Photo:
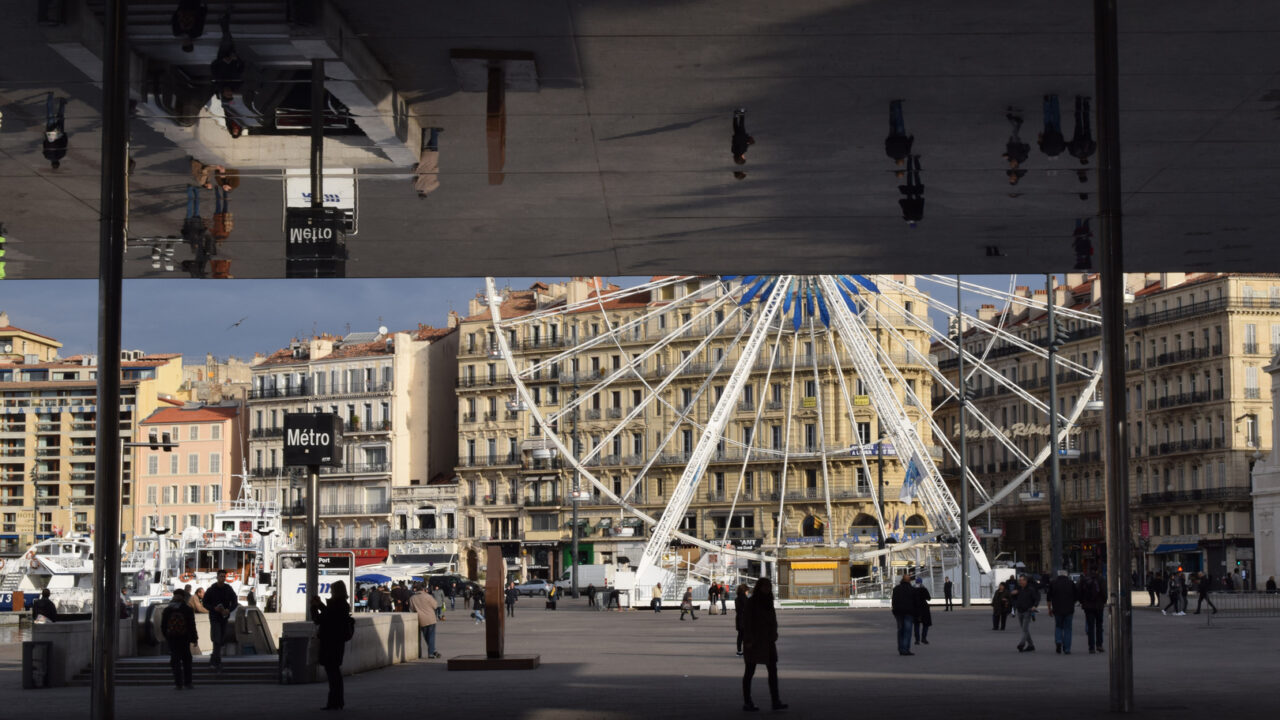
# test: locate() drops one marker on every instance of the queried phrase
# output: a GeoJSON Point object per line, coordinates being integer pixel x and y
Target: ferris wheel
{"type": "Point", "coordinates": [787, 377]}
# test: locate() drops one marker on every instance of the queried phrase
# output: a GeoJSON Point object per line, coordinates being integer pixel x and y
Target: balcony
{"type": "Point", "coordinates": [425, 534]}
{"type": "Point", "coordinates": [613, 413]}
{"type": "Point", "coordinates": [490, 416]}
{"type": "Point", "coordinates": [1251, 348]}
{"type": "Point", "coordinates": [269, 472]}
{"type": "Point", "coordinates": [84, 450]}
{"type": "Point", "coordinates": [373, 426]}
{"type": "Point", "coordinates": [15, 428]}
{"type": "Point", "coordinates": [806, 494]}
{"type": "Point", "coordinates": [357, 468]}
{"type": "Point", "coordinates": [489, 460]}
{"type": "Point", "coordinates": [1252, 394]}
{"type": "Point", "coordinates": [542, 502]}
{"type": "Point", "coordinates": [351, 543]}
{"type": "Point", "coordinates": [355, 388]}
{"type": "Point", "coordinates": [13, 452]}
{"type": "Point", "coordinates": [272, 393]}
{"type": "Point", "coordinates": [46, 427]}
{"type": "Point", "coordinates": [1181, 399]}
{"type": "Point", "coordinates": [467, 418]}
{"type": "Point", "coordinates": [12, 502]}
{"type": "Point", "coordinates": [1181, 446]}
{"type": "Point", "coordinates": [368, 509]}
{"type": "Point", "coordinates": [593, 414]}
{"type": "Point", "coordinates": [49, 451]}
{"type": "Point", "coordinates": [1242, 494]}
{"type": "Point", "coordinates": [494, 380]}
{"type": "Point", "coordinates": [543, 464]}
{"type": "Point", "coordinates": [272, 432]}
{"type": "Point", "coordinates": [82, 476]}
{"type": "Point", "coordinates": [81, 501]}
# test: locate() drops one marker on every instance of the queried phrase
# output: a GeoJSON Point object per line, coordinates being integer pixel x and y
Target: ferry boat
{"type": "Point", "coordinates": [64, 566]}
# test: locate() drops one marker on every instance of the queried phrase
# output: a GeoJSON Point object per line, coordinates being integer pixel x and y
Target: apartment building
{"type": "Point", "coordinates": [1199, 418]}
{"type": "Point", "coordinates": [184, 487]}
{"type": "Point", "coordinates": [394, 394]}
{"type": "Point", "coordinates": [515, 488]}
{"type": "Point", "coordinates": [48, 425]}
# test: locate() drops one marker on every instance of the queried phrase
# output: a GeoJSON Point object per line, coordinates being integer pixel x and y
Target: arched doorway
{"type": "Point", "coordinates": [813, 526]}
{"type": "Point", "coordinates": [864, 528]}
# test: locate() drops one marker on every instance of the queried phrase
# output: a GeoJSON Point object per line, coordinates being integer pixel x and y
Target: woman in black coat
{"type": "Point", "coordinates": [333, 622]}
{"type": "Point", "coordinates": [924, 617]}
{"type": "Point", "coordinates": [739, 613]}
{"type": "Point", "coordinates": [760, 642]}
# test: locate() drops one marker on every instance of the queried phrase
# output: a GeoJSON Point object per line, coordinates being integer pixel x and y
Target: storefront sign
{"type": "Point", "coordinates": [804, 540]}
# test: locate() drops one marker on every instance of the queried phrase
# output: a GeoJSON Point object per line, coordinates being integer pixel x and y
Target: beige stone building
{"type": "Point", "coordinates": [394, 393]}
{"type": "Point", "coordinates": [184, 487]}
{"type": "Point", "coordinates": [514, 487]}
{"type": "Point", "coordinates": [1198, 419]}
{"type": "Point", "coordinates": [216, 381]}
{"type": "Point", "coordinates": [48, 431]}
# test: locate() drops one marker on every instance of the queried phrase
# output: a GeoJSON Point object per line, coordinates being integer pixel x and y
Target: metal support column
{"type": "Point", "coordinates": [317, 138]}
{"type": "Point", "coordinates": [107, 485]}
{"type": "Point", "coordinates": [577, 489]}
{"type": "Point", "coordinates": [1106, 70]}
{"type": "Point", "coordinates": [964, 456]}
{"type": "Point", "coordinates": [884, 530]}
{"type": "Point", "coordinates": [313, 538]}
{"type": "Point", "coordinates": [1055, 476]}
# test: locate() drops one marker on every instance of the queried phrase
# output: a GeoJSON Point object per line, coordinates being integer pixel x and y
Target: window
{"type": "Point", "coordinates": [213, 493]}
{"type": "Point", "coordinates": [193, 494]}
{"type": "Point", "coordinates": [168, 494]}
{"type": "Point", "coordinates": [810, 388]}
{"type": "Point", "coordinates": [151, 495]}
{"type": "Point", "coordinates": [194, 433]}
{"type": "Point", "coordinates": [776, 433]}
{"type": "Point", "coordinates": [193, 464]}
{"type": "Point", "coordinates": [864, 433]}
{"type": "Point", "coordinates": [153, 464]}
{"type": "Point", "coordinates": [215, 463]}
{"type": "Point", "coordinates": [173, 464]}
{"type": "Point", "coordinates": [215, 432]}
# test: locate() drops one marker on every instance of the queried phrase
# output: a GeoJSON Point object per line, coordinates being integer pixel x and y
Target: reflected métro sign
{"type": "Point", "coordinates": [312, 439]}
{"type": "Point", "coordinates": [315, 243]}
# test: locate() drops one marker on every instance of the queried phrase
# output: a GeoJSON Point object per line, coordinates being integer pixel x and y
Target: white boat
{"type": "Point", "coordinates": [64, 566]}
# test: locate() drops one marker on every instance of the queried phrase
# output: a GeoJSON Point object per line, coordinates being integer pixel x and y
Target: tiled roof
{"type": "Point", "coordinates": [426, 332]}
{"type": "Point", "coordinates": [172, 415]}
{"type": "Point", "coordinates": [12, 329]}
{"type": "Point", "coordinates": [518, 302]}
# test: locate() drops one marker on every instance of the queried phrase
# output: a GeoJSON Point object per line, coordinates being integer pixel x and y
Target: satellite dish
{"type": "Point", "coordinates": [8, 347]}
{"type": "Point", "coordinates": [382, 329]}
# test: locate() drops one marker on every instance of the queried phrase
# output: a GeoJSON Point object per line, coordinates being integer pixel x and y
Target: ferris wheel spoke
{"type": "Point", "coordinates": [861, 442]}
{"type": "Point", "coordinates": [786, 434]}
{"type": "Point", "coordinates": [563, 310]}
{"type": "Point", "coordinates": [822, 435]}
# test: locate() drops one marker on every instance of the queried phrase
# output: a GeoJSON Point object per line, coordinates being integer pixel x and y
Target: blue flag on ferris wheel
{"type": "Point", "coordinates": [910, 481]}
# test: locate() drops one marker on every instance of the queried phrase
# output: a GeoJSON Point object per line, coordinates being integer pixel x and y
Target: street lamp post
{"type": "Point", "coordinates": [884, 558]}
{"type": "Point", "coordinates": [577, 490]}
{"type": "Point", "coordinates": [35, 505]}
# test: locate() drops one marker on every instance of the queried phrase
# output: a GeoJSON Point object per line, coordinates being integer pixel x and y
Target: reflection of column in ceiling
{"type": "Point", "coordinates": [494, 72]}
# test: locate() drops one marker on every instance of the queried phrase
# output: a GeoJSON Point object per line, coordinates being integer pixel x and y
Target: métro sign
{"type": "Point", "coordinates": [312, 439]}
{"type": "Point", "coordinates": [315, 242]}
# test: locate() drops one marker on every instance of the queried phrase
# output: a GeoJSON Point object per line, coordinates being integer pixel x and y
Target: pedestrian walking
{"type": "Point", "coordinates": [760, 643]}
{"type": "Point", "coordinates": [1175, 596]}
{"type": "Point", "coordinates": [553, 592]}
{"type": "Point", "coordinates": [1016, 152]}
{"type": "Point", "coordinates": [898, 144]}
{"type": "Point", "coordinates": [656, 601]}
{"type": "Point", "coordinates": [438, 595]}
{"type": "Point", "coordinates": [739, 613]}
{"type": "Point", "coordinates": [424, 604]}
{"type": "Point", "coordinates": [615, 599]}
{"type": "Point", "coordinates": [426, 174]}
{"type": "Point", "coordinates": [55, 132]}
{"type": "Point", "coordinates": [453, 594]}
{"type": "Point", "coordinates": [511, 597]}
{"type": "Point", "coordinates": [591, 595]}
{"type": "Point", "coordinates": [1203, 587]}
{"type": "Point", "coordinates": [227, 68]}
{"type": "Point", "coordinates": [1152, 586]}
{"type": "Point", "coordinates": [923, 615]}
{"type": "Point", "coordinates": [724, 596]}
{"type": "Point", "coordinates": [903, 602]}
{"type": "Point", "coordinates": [1082, 145]}
{"type": "Point", "coordinates": [946, 593]}
{"type": "Point", "coordinates": [1237, 581]}
{"type": "Point", "coordinates": [221, 601]}
{"type": "Point", "coordinates": [912, 203]}
{"type": "Point", "coordinates": [188, 22]}
{"type": "Point", "coordinates": [1000, 607]}
{"type": "Point", "coordinates": [1025, 600]}
{"type": "Point", "coordinates": [686, 604]}
{"type": "Point", "coordinates": [1051, 140]}
{"type": "Point", "coordinates": [741, 140]}
{"type": "Point", "coordinates": [1093, 598]}
{"type": "Point", "coordinates": [44, 608]}
{"type": "Point", "coordinates": [1271, 585]}
{"type": "Point", "coordinates": [1062, 606]}
{"type": "Point", "coordinates": [178, 625]}
{"type": "Point", "coordinates": [713, 595]}
{"type": "Point", "coordinates": [335, 627]}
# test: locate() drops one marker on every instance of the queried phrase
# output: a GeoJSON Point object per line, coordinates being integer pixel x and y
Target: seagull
{"type": "Point", "coordinates": [237, 323]}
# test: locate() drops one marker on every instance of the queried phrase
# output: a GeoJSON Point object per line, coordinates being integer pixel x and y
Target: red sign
{"type": "Point", "coordinates": [364, 556]}
{"type": "Point", "coordinates": [1144, 529]}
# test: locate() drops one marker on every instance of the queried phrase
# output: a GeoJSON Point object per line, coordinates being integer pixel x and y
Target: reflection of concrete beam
{"type": "Point", "coordinates": [494, 72]}
{"type": "Point", "coordinates": [353, 75]}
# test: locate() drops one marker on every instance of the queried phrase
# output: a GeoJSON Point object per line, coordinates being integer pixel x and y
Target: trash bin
{"type": "Point", "coordinates": [37, 658]}
{"type": "Point", "coordinates": [296, 663]}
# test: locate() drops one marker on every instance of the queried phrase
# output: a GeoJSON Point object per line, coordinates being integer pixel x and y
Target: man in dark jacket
{"type": "Point", "coordinates": [512, 595]}
{"type": "Point", "coordinates": [741, 140]}
{"type": "Point", "coordinates": [946, 593]}
{"type": "Point", "coordinates": [178, 625]}
{"type": "Point", "coordinates": [1025, 600]}
{"type": "Point", "coordinates": [1203, 588]}
{"type": "Point", "coordinates": [220, 600]}
{"type": "Point", "coordinates": [1093, 597]}
{"type": "Point", "coordinates": [923, 616]}
{"type": "Point", "coordinates": [898, 144]}
{"type": "Point", "coordinates": [1062, 606]}
{"type": "Point", "coordinates": [44, 607]}
{"type": "Point", "coordinates": [904, 610]}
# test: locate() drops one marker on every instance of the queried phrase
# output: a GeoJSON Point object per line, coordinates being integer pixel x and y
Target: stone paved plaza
{"type": "Point", "coordinates": [834, 664]}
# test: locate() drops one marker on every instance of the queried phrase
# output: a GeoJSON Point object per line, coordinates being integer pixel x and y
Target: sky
{"type": "Point", "coordinates": [194, 317]}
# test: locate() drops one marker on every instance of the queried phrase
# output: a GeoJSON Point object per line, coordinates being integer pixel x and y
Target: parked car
{"type": "Point", "coordinates": [534, 587]}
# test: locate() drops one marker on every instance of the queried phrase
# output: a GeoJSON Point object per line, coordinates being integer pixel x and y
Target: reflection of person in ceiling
{"type": "Point", "coordinates": [55, 134]}
{"type": "Point", "coordinates": [1015, 151]}
{"type": "Point", "coordinates": [228, 68]}
{"type": "Point", "coordinates": [741, 140]}
{"type": "Point", "coordinates": [1082, 244]}
{"type": "Point", "coordinates": [1082, 145]}
{"type": "Point", "coordinates": [426, 174]}
{"type": "Point", "coordinates": [1052, 142]}
{"type": "Point", "coordinates": [188, 22]}
{"type": "Point", "coordinates": [898, 144]}
{"type": "Point", "coordinates": [913, 204]}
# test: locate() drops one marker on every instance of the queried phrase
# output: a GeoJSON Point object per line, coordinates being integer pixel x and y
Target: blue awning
{"type": "Point", "coordinates": [1169, 548]}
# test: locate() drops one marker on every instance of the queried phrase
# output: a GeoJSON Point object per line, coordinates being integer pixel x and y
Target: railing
{"type": "Point", "coordinates": [425, 534]}
{"type": "Point", "coordinates": [1180, 399]}
{"type": "Point", "coordinates": [1252, 393]}
{"type": "Point", "coordinates": [1169, 448]}
{"type": "Point", "coordinates": [541, 502]}
{"type": "Point", "coordinates": [1244, 605]}
{"type": "Point", "coordinates": [13, 452]}
{"type": "Point", "coordinates": [593, 414]}
{"type": "Point", "coordinates": [1208, 494]}
{"type": "Point", "coordinates": [484, 381]}
{"type": "Point", "coordinates": [356, 388]}
{"type": "Point", "coordinates": [285, 392]}
{"type": "Point", "coordinates": [355, 468]}
{"type": "Point", "coordinates": [806, 494]}
{"type": "Point", "coordinates": [613, 413]}
{"type": "Point", "coordinates": [1251, 348]}
{"type": "Point", "coordinates": [543, 464]}
{"type": "Point", "coordinates": [490, 416]}
{"type": "Point", "coordinates": [83, 451]}
{"type": "Point", "coordinates": [80, 426]}
{"type": "Point", "coordinates": [468, 418]}
{"type": "Point", "coordinates": [489, 460]}
{"type": "Point", "coordinates": [371, 509]}
{"type": "Point", "coordinates": [81, 501]}
{"type": "Point", "coordinates": [368, 427]}
{"type": "Point", "coordinates": [350, 543]}
{"type": "Point", "coordinates": [270, 432]}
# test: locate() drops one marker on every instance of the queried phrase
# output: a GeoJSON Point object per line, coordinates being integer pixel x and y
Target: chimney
{"type": "Point", "coordinates": [1168, 280]}
{"type": "Point", "coordinates": [1074, 279]}
{"type": "Point", "coordinates": [987, 313]}
{"type": "Point", "coordinates": [4, 319]}
{"type": "Point", "coordinates": [454, 319]}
